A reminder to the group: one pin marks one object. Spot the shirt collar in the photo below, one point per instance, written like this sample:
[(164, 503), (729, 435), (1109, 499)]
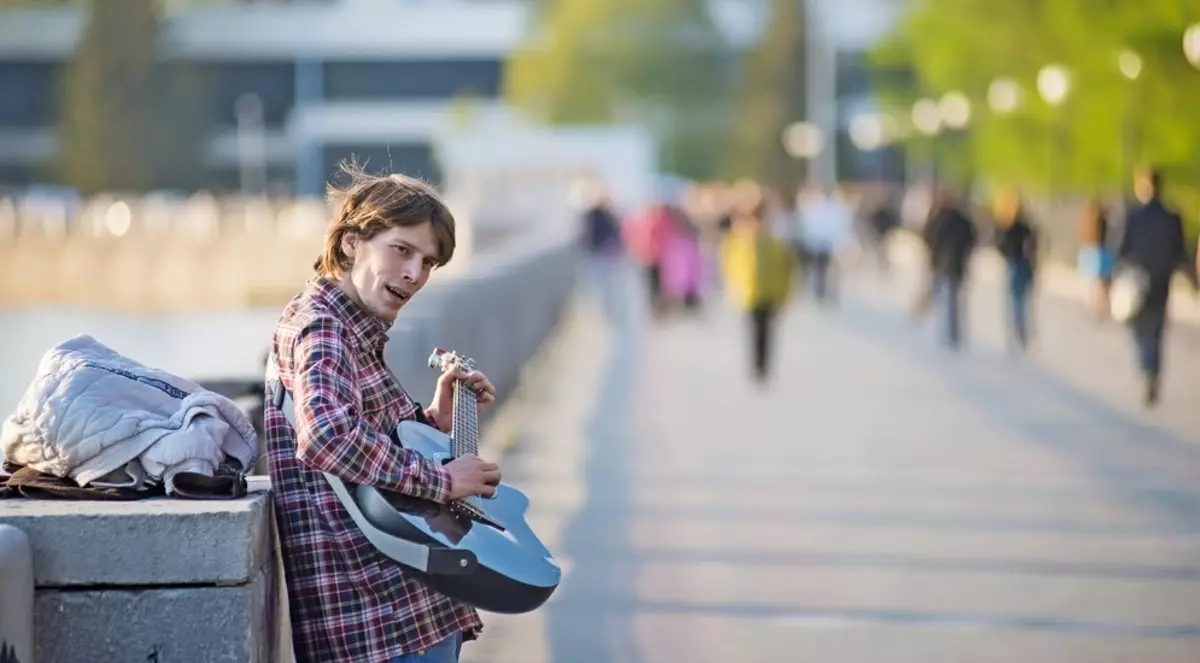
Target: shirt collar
[(369, 332)]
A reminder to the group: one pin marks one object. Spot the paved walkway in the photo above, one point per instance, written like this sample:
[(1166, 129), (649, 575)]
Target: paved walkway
[(881, 501)]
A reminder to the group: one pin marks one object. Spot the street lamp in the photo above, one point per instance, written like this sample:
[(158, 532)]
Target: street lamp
[(1004, 95), (926, 117), (927, 120), (1130, 64), (955, 110), (868, 134), (1191, 45), (803, 140), (1053, 83)]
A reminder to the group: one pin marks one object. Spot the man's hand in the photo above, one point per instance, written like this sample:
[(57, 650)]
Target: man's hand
[(442, 411), (470, 476)]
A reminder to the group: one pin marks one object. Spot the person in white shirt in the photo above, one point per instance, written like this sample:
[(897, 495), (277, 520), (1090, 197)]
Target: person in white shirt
[(826, 225)]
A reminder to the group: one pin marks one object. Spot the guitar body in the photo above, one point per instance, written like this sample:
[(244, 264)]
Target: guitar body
[(515, 572)]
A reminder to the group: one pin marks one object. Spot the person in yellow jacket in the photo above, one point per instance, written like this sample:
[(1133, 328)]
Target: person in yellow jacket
[(757, 269)]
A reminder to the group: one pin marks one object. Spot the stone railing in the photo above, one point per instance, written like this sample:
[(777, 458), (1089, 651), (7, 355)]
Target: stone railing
[(144, 255), (165, 579), (155, 275)]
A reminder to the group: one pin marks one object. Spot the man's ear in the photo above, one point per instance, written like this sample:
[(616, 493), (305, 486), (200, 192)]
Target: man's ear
[(349, 244)]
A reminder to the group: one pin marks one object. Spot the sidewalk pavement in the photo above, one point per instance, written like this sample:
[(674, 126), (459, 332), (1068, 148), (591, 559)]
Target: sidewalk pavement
[(880, 500)]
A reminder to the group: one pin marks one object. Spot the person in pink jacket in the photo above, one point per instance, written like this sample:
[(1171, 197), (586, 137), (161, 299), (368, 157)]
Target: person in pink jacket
[(644, 235), (681, 263)]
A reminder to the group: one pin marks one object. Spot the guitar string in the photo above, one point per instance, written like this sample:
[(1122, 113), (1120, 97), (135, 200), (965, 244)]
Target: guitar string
[(464, 430)]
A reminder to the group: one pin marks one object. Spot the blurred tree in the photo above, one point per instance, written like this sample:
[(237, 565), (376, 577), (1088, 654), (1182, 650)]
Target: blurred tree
[(661, 62), (772, 96), (131, 119), (183, 125), (966, 44)]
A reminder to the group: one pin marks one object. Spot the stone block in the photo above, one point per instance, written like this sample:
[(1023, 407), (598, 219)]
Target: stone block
[(163, 625), (158, 541), (16, 595)]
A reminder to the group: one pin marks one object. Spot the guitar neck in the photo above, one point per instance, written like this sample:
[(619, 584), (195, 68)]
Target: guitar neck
[(465, 427)]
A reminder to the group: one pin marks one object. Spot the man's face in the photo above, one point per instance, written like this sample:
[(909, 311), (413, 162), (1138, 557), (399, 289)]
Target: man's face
[(391, 267), (1143, 188)]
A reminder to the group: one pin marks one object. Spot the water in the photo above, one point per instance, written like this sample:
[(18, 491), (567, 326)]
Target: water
[(200, 345)]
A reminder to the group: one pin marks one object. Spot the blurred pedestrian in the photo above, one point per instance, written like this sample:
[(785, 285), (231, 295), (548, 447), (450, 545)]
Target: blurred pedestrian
[(951, 238), (644, 235), (1150, 252), (1016, 240), (826, 226), (600, 240), (1096, 256), (757, 268), (883, 217), (682, 264)]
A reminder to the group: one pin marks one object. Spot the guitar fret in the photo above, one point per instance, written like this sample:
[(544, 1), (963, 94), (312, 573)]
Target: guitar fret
[(464, 428)]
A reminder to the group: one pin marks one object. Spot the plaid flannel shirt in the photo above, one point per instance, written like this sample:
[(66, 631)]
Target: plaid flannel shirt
[(348, 601)]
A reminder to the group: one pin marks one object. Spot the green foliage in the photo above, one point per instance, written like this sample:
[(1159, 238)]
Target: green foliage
[(657, 61), (772, 96), (130, 120), (966, 44)]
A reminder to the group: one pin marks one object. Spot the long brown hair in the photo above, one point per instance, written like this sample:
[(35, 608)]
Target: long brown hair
[(370, 204), (1091, 224)]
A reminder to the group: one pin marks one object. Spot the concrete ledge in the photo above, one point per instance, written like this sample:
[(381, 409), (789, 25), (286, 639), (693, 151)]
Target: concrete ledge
[(210, 624), (153, 580), (16, 595), (159, 541)]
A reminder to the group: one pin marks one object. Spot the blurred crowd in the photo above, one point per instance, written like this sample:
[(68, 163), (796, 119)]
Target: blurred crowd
[(761, 249)]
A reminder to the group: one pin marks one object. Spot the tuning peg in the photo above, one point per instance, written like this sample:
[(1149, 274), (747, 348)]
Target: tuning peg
[(436, 360)]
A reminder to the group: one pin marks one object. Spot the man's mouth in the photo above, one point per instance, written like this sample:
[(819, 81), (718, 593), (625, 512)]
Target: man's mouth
[(397, 293)]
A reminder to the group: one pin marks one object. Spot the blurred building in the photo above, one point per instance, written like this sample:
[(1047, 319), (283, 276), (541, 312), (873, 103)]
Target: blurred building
[(331, 78), (373, 78)]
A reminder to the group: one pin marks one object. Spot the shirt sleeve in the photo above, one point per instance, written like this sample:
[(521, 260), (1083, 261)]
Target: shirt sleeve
[(332, 437)]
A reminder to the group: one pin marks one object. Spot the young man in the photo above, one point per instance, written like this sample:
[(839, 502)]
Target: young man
[(951, 238), (1153, 243), (349, 602), (1016, 239)]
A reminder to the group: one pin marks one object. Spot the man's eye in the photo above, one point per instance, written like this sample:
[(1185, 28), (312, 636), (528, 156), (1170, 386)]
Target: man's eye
[(402, 249)]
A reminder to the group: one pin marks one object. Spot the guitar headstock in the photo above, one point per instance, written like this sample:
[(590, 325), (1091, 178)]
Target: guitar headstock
[(441, 359)]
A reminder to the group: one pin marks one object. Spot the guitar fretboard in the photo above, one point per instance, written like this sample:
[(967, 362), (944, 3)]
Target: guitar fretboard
[(465, 427)]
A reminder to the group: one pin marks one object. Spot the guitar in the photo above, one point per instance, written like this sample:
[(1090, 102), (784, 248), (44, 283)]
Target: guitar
[(476, 550)]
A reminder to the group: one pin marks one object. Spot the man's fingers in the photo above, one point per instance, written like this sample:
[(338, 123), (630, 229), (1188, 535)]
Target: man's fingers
[(491, 476), (481, 387)]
